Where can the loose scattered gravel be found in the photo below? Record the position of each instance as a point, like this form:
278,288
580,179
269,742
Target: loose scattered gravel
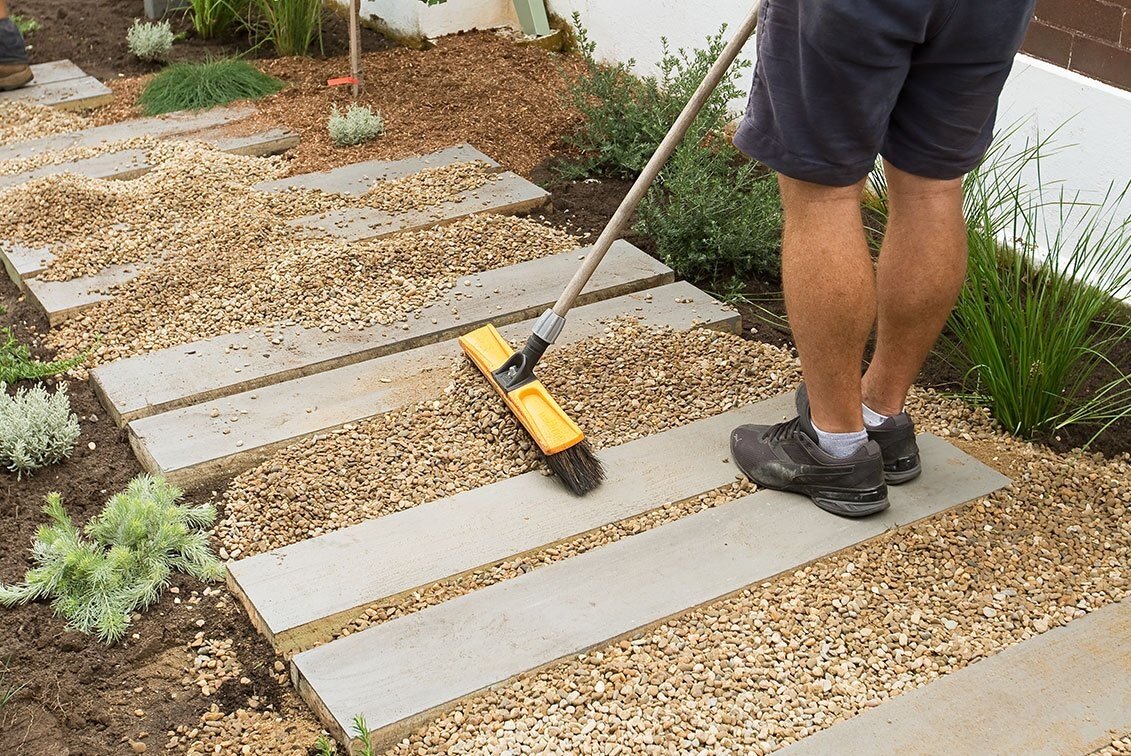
794,655
1120,746
74,154
631,382
217,256
247,731
224,287
20,121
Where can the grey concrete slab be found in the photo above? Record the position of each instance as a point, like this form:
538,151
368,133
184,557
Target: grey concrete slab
131,163
22,262
55,71
208,370
509,194
401,673
68,94
1065,692
62,300
196,445
358,178
298,595
171,124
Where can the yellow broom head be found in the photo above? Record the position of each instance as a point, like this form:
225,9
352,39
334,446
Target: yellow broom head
532,404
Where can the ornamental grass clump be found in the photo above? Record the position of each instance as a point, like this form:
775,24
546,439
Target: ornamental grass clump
358,124
210,18
121,562
150,41
194,86
37,429
291,26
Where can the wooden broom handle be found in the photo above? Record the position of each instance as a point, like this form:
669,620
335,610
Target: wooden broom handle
632,200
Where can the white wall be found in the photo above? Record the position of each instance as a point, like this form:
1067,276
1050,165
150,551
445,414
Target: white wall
414,19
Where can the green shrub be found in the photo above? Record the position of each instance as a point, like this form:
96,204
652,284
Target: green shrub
36,428
625,118
712,217
194,86
150,41
211,18
16,363
125,561
291,26
358,124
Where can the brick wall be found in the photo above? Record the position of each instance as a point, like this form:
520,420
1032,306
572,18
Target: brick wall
1091,37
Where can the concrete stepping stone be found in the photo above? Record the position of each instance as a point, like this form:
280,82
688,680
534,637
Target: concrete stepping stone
210,369
298,595
510,194
402,673
181,124
131,163
1066,691
197,445
63,85
358,178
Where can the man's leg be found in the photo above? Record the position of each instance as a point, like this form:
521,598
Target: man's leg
14,69
921,271
830,295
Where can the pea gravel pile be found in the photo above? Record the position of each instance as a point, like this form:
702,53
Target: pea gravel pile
217,256
20,121
629,383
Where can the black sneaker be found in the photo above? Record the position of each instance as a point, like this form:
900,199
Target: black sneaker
787,457
896,438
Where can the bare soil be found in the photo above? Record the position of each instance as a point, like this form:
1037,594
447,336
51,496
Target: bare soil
92,34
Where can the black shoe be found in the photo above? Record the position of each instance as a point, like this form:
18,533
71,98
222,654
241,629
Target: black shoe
787,457
896,438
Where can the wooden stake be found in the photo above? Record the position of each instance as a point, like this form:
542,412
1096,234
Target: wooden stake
355,46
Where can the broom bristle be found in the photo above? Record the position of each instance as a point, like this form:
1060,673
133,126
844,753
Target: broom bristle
578,467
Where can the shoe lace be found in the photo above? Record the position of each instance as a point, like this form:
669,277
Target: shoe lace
785,430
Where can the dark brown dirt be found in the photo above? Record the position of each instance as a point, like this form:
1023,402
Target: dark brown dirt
584,207
80,696
92,33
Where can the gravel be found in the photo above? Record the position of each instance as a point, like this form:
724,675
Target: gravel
796,654
1119,746
631,382
219,257
21,121
247,731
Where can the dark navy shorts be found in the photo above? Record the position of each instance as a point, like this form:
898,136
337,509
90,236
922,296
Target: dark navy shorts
838,82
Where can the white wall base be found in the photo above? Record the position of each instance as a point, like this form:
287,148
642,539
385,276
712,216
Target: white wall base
413,19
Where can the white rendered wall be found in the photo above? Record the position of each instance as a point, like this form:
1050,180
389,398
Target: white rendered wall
412,18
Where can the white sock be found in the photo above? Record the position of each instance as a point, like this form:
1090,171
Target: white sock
841,445
873,419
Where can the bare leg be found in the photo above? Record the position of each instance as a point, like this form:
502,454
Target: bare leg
921,271
3,9
830,294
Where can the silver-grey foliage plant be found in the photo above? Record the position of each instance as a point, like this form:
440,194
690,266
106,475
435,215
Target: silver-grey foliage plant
36,428
150,41
358,124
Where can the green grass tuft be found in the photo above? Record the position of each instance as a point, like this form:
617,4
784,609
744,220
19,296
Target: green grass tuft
26,24
195,86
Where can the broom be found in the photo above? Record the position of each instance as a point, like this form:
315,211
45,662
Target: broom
567,452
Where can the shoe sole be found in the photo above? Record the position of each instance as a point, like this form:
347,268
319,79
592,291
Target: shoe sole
15,81
904,476
853,504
